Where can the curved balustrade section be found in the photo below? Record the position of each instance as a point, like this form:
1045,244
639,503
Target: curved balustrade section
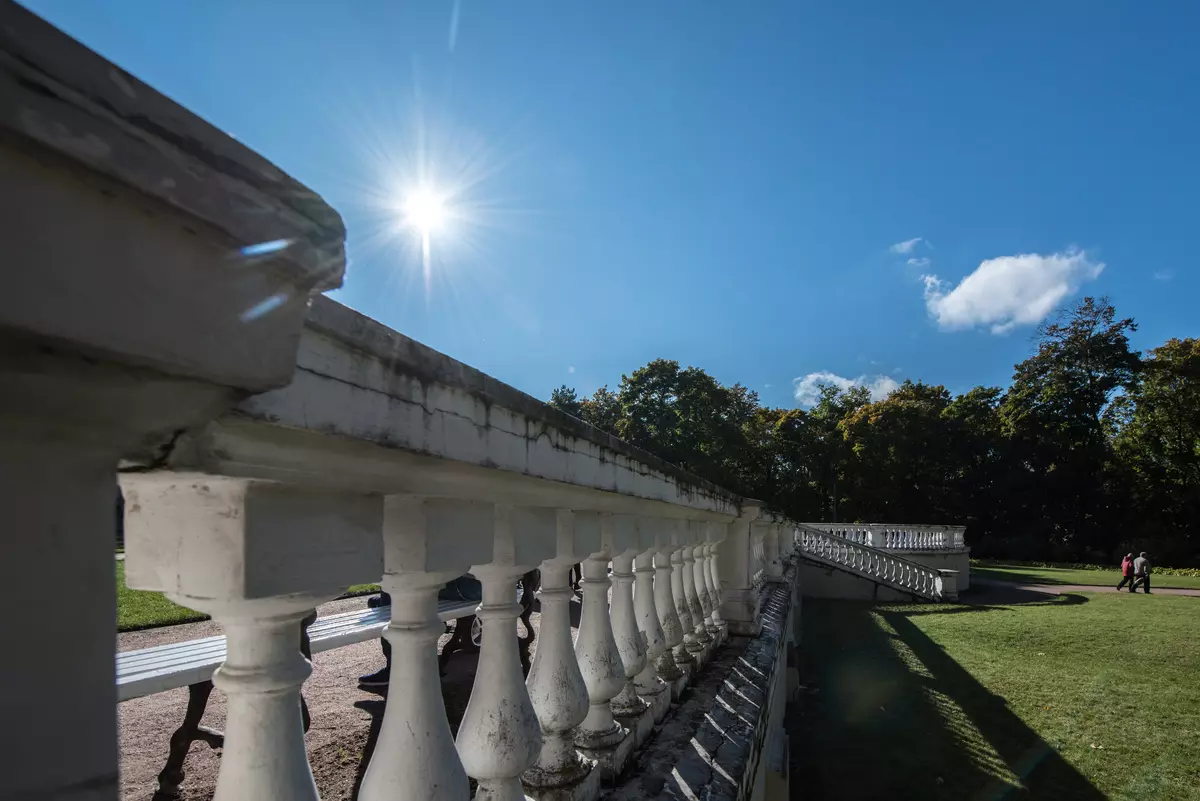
874,563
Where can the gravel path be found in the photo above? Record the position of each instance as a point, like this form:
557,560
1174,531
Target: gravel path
341,713
994,586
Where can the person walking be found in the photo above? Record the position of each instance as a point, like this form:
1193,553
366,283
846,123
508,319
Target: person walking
1126,572
1141,572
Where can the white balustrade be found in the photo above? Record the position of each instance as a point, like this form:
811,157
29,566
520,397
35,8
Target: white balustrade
701,577
213,547
868,561
712,577
689,644
690,590
499,737
556,686
625,630
892,537
648,683
596,648
664,604
415,755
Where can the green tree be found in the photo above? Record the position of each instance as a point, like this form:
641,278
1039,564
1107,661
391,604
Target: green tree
603,410
1157,441
1054,417
566,400
897,456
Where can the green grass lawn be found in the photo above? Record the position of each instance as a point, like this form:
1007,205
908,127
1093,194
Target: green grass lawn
1058,575
1080,697
139,609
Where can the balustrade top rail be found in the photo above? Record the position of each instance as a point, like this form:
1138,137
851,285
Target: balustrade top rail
898,536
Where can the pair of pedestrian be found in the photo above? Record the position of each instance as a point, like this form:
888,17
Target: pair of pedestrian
1135,572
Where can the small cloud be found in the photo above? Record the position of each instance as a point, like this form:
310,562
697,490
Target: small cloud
571,369
808,388
906,246
896,371
1164,275
918,261
1009,291
766,386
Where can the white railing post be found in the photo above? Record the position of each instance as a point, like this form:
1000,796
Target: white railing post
690,645
627,704
258,557
664,604
595,646
500,737
555,683
716,533
690,589
415,756
648,684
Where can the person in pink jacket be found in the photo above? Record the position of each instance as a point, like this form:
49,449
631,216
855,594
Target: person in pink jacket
1126,572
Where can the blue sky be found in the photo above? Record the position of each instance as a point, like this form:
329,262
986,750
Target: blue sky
872,190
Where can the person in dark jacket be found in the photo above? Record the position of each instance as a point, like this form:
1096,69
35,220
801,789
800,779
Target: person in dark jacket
1126,572
1141,573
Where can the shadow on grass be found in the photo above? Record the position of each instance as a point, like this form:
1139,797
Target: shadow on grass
1101,579
885,713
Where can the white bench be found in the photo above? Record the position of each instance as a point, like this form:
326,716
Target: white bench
191,664
166,667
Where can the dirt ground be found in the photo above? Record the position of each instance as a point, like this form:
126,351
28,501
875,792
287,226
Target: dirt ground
341,713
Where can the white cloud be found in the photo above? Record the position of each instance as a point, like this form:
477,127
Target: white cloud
906,246
571,369
808,388
1009,291
1164,275
918,261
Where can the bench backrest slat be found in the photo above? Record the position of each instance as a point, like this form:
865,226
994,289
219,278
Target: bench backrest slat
165,667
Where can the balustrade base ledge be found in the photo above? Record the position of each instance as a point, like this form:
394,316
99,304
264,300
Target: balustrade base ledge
660,703
639,726
678,685
611,761
585,789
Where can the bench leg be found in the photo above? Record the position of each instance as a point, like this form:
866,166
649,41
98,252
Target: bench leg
529,584
460,641
191,730
306,649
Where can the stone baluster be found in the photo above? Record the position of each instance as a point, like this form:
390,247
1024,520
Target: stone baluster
555,683
595,646
624,622
716,533
649,686
692,584
500,737
681,540
415,756
664,603
258,557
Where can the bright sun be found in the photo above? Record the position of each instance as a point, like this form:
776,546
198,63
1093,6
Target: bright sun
425,210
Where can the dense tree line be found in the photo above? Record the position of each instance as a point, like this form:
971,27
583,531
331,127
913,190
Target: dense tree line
1093,450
